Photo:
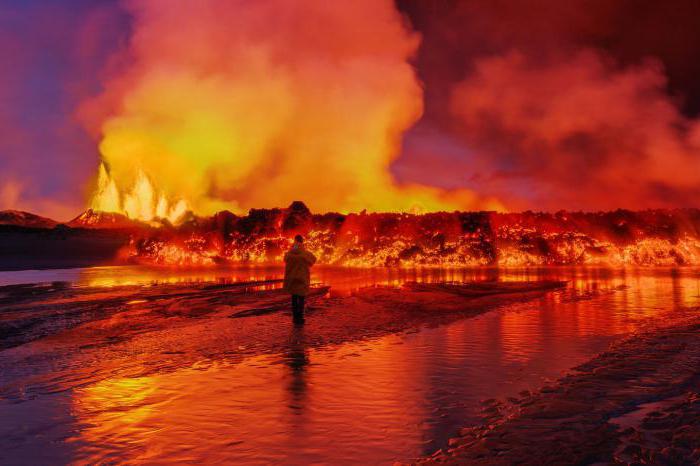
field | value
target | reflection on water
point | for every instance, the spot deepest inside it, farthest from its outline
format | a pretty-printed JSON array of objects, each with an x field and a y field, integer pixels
[
  {"x": 373, "y": 402},
  {"x": 297, "y": 358},
  {"x": 344, "y": 280}
]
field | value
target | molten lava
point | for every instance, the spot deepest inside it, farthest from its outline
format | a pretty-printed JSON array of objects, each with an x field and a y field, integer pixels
[
  {"x": 455, "y": 239},
  {"x": 141, "y": 202}
]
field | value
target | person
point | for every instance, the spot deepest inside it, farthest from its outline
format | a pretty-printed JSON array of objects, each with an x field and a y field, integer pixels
[{"x": 297, "y": 276}]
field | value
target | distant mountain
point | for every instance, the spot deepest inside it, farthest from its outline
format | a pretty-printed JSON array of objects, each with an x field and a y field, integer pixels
[
  {"x": 103, "y": 220},
  {"x": 25, "y": 219},
  {"x": 31, "y": 242}
]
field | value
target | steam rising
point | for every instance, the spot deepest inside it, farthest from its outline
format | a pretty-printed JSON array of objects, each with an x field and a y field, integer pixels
[
  {"x": 550, "y": 104},
  {"x": 580, "y": 131},
  {"x": 234, "y": 104},
  {"x": 243, "y": 104}
]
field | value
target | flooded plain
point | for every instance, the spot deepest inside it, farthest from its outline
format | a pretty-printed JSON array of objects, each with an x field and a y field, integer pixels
[{"x": 374, "y": 400}]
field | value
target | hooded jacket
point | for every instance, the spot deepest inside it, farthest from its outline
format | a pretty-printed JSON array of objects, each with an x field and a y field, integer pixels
[{"x": 297, "y": 273}]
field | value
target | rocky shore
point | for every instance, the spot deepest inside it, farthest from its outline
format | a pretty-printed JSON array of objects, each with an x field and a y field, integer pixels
[{"x": 637, "y": 403}]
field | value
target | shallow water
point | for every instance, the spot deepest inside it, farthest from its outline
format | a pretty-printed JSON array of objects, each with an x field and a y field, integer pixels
[{"x": 391, "y": 398}]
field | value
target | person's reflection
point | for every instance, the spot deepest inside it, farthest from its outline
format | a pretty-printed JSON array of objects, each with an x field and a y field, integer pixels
[
  {"x": 297, "y": 358},
  {"x": 298, "y": 417},
  {"x": 676, "y": 289}
]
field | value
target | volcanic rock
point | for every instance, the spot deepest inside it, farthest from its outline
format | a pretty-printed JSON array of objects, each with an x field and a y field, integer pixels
[{"x": 454, "y": 239}]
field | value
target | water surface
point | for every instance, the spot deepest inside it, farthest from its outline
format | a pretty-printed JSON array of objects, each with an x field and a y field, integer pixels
[{"x": 373, "y": 402}]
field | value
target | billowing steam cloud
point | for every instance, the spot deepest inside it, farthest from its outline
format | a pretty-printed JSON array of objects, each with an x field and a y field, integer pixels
[
  {"x": 561, "y": 105},
  {"x": 243, "y": 104},
  {"x": 544, "y": 104},
  {"x": 582, "y": 133}
]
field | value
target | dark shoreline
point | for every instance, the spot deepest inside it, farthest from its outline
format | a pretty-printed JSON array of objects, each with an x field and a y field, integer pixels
[
  {"x": 573, "y": 420},
  {"x": 25, "y": 248}
]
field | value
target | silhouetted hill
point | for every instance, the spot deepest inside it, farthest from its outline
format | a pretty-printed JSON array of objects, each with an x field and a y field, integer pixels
[{"x": 25, "y": 219}]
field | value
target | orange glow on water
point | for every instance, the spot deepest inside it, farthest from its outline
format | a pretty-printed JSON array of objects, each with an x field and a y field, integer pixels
[{"x": 149, "y": 386}]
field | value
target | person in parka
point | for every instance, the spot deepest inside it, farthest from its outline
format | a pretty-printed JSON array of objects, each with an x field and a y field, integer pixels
[{"x": 297, "y": 276}]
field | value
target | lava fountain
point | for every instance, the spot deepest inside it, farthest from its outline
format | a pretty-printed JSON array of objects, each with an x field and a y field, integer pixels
[{"x": 141, "y": 202}]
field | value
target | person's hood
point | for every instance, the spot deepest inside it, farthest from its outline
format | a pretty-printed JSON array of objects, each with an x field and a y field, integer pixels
[{"x": 297, "y": 250}]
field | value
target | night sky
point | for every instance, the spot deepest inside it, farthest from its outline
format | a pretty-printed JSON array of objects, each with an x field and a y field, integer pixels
[{"x": 541, "y": 104}]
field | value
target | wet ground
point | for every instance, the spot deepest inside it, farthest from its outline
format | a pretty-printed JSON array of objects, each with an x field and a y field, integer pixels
[
  {"x": 637, "y": 403},
  {"x": 149, "y": 365}
]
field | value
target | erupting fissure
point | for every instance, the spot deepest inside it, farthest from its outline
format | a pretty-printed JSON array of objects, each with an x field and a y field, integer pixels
[{"x": 141, "y": 202}]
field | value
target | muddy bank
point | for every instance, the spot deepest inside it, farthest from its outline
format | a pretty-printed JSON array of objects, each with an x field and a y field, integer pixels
[
  {"x": 57, "y": 337},
  {"x": 637, "y": 403}
]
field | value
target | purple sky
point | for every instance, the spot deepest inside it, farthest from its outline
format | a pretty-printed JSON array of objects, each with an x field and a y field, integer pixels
[{"x": 53, "y": 55}]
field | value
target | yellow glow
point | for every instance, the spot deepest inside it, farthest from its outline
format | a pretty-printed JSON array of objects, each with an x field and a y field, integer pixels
[
  {"x": 141, "y": 202},
  {"x": 243, "y": 117}
]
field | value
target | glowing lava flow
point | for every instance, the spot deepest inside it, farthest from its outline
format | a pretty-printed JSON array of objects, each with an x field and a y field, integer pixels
[
  {"x": 141, "y": 202},
  {"x": 443, "y": 239}
]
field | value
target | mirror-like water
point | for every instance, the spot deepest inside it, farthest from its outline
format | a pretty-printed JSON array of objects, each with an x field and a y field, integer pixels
[{"x": 392, "y": 398}]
